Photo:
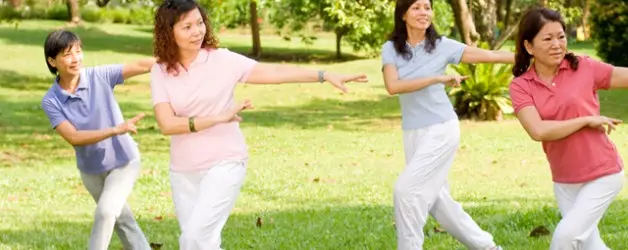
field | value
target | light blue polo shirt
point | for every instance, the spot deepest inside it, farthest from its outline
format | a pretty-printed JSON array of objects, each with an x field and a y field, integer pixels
[
  {"x": 430, "y": 105},
  {"x": 93, "y": 107}
]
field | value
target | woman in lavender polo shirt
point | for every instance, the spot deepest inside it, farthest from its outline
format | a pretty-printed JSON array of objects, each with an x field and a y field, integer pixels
[
  {"x": 414, "y": 61},
  {"x": 192, "y": 90},
  {"x": 81, "y": 107}
]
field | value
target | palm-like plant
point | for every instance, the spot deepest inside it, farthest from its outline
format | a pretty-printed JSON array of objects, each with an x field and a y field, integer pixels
[{"x": 484, "y": 95}]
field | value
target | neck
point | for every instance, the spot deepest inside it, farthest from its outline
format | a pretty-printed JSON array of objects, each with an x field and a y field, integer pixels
[
  {"x": 186, "y": 57},
  {"x": 415, "y": 36},
  {"x": 545, "y": 71},
  {"x": 68, "y": 82}
]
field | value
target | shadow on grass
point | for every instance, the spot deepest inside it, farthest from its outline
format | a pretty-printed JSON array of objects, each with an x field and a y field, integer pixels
[
  {"x": 98, "y": 40},
  {"x": 334, "y": 227}
]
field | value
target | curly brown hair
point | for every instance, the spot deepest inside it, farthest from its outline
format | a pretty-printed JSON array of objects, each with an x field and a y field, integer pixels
[{"x": 165, "y": 48}]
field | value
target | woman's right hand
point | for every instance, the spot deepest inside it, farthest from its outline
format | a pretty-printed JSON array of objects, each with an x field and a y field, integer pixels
[
  {"x": 231, "y": 114},
  {"x": 452, "y": 81},
  {"x": 603, "y": 123}
]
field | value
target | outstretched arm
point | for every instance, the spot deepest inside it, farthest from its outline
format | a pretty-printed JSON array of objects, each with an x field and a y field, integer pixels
[
  {"x": 395, "y": 86},
  {"x": 137, "y": 68},
  {"x": 87, "y": 137},
  {"x": 478, "y": 55},
  {"x": 276, "y": 74},
  {"x": 619, "y": 77}
]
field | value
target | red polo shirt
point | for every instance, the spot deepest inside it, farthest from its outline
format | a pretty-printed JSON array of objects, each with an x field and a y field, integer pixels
[{"x": 588, "y": 153}]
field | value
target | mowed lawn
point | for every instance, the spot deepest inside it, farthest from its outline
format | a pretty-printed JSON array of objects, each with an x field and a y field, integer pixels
[{"x": 322, "y": 164}]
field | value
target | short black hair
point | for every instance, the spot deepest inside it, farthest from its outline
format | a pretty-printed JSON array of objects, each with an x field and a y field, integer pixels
[{"x": 57, "y": 42}]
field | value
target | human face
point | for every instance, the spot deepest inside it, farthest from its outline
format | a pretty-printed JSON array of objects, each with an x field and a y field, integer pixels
[
  {"x": 189, "y": 31},
  {"x": 549, "y": 46},
  {"x": 419, "y": 15},
  {"x": 68, "y": 61}
]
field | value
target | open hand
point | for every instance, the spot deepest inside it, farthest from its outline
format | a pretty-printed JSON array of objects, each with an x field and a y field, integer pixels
[
  {"x": 339, "y": 81},
  {"x": 129, "y": 125},
  {"x": 231, "y": 114},
  {"x": 452, "y": 81},
  {"x": 603, "y": 123}
]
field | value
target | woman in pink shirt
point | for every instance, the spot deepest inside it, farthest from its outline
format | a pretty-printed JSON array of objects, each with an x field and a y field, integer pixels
[
  {"x": 192, "y": 87},
  {"x": 554, "y": 95}
]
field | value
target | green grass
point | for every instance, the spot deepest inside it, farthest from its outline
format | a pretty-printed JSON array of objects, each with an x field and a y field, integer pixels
[{"x": 322, "y": 164}]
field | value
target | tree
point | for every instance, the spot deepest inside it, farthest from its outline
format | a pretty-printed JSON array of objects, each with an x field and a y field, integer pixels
[
  {"x": 608, "y": 26},
  {"x": 73, "y": 11},
  {"x": 364, "y": 24},
  {"x": 257, "y": 44},
  {"x": 464, "y": 22}
]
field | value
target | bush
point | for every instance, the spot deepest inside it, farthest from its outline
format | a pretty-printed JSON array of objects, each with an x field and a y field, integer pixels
[{"x": 609, "y": 23}]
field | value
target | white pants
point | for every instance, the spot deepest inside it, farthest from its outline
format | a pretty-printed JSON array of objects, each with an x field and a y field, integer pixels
[
  {"x": 422, "y": 189},
  {"x": 582, "y": 206},
  {"x": 203, "y": 201},
  {"x": 110, "y": 191}
]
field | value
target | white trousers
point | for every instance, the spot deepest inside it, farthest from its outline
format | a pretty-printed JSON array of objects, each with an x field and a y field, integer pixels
[
  {"x": 203, "y": 201},
  {"x": 110, "y": 190},
  {"x": 422, "y": 189},
  {"x": 582, "y": 206}
]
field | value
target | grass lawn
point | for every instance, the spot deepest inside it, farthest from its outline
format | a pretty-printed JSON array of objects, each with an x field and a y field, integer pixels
[{"x": 322, "y": 166}]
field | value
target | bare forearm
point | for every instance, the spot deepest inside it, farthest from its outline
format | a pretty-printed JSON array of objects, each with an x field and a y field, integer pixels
[
  {"x": 556, "y": 130},
  {"x": 87, "y": 137},
  {"x": 407, "y": 86},
  {"x": 142, "y": 66},
  {"x": 180, "y": 125},
  {"x": 503, "y": 57}
]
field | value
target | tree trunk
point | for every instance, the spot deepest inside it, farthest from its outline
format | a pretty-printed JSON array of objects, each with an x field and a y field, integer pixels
[
  {"x": 464, "y": 22},
  {"x": 257, "y": 44},
  {"x": 73, "y": 11},
  {"x": 485, "y": 20},
  {"x": 586, "y": 12},
  {"x": 508, "y": 13},
  {"x": 338, "y": 40}
]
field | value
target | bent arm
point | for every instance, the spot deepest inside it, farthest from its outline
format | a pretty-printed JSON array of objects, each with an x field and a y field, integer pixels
[
  {"x": 170, "y": 124},
  {"x": 85, "y": 137},
  {"x": 395, "y": 86},
  {"x": 540, "y": 130}
]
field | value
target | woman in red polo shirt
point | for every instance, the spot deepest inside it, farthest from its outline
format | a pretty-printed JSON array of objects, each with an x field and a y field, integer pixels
[{"x": 554, "y": 95}]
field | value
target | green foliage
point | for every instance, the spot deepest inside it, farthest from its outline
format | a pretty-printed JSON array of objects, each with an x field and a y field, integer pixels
[
  {"x": 363, "y": 24},
  {"x": 484, "y": 95},
  {"x": 443, "y": 17},
  {"x": 609, "y": 23}
]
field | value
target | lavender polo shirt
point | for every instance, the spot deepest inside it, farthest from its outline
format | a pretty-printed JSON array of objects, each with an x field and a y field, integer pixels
[{"x": 93, "y": 107}]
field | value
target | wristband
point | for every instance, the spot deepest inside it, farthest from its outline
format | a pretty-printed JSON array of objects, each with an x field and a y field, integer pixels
[{"x": 191, "y": 124}]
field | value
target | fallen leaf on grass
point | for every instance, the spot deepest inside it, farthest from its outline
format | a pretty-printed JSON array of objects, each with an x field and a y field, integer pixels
[{"x": 539, "y": 231}]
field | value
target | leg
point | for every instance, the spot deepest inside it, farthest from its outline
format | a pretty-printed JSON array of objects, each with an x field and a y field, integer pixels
[
  {"x": 577, "y": 228},
  {"x": 219, "y": 190},
  {"x": 185, "y": 190},
  {"x": 111, "y": 197},
  {"x": 458, "y": 223},
  {"x": 429, "y": 155}
]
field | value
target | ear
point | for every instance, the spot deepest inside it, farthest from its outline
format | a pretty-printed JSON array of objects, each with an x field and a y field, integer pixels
[
  {"x": 52, "y": 62},
  {"x": 528, "y": 47}
]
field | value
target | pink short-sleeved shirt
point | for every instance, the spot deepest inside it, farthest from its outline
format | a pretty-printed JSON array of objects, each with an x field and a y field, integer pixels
[
  {"x": 588, "y": 153},
  {"x": 205, "y": 89}
]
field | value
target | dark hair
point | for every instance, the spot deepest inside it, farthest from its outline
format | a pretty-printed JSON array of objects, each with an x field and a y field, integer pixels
[
  {"x": 57, "y": 42},
  {"x": 531, "y": 23},
  {"x": 399, "y": 36},
  {"x": 165, "y": 47}
]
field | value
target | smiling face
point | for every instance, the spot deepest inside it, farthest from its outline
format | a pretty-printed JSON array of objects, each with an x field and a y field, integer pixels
[
  {"x": 549, "y": 46},
  {"x": 68, "y": 61},
  {"x": 189, "y": 31},
  {"x": 419, "y": 15}
]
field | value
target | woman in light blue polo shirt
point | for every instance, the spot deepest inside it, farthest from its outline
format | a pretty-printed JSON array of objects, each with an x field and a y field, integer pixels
[
  {"x": 81, "y": 107},
  {"x": 414, "y": 62}
]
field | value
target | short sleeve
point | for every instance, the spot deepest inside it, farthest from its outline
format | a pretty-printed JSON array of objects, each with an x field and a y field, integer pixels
[
  {"x": 54, "y": 114},
  {"x": 157, "y": 85},
  {"x": 112, "y": 74},
  {"x": 243, "y": 65},
  {"x": 453, "y": 49},
  {"x": 520, "y": 95},
  {"x": 388, "y": 53},
  {"x": 602, "y": 72}
]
